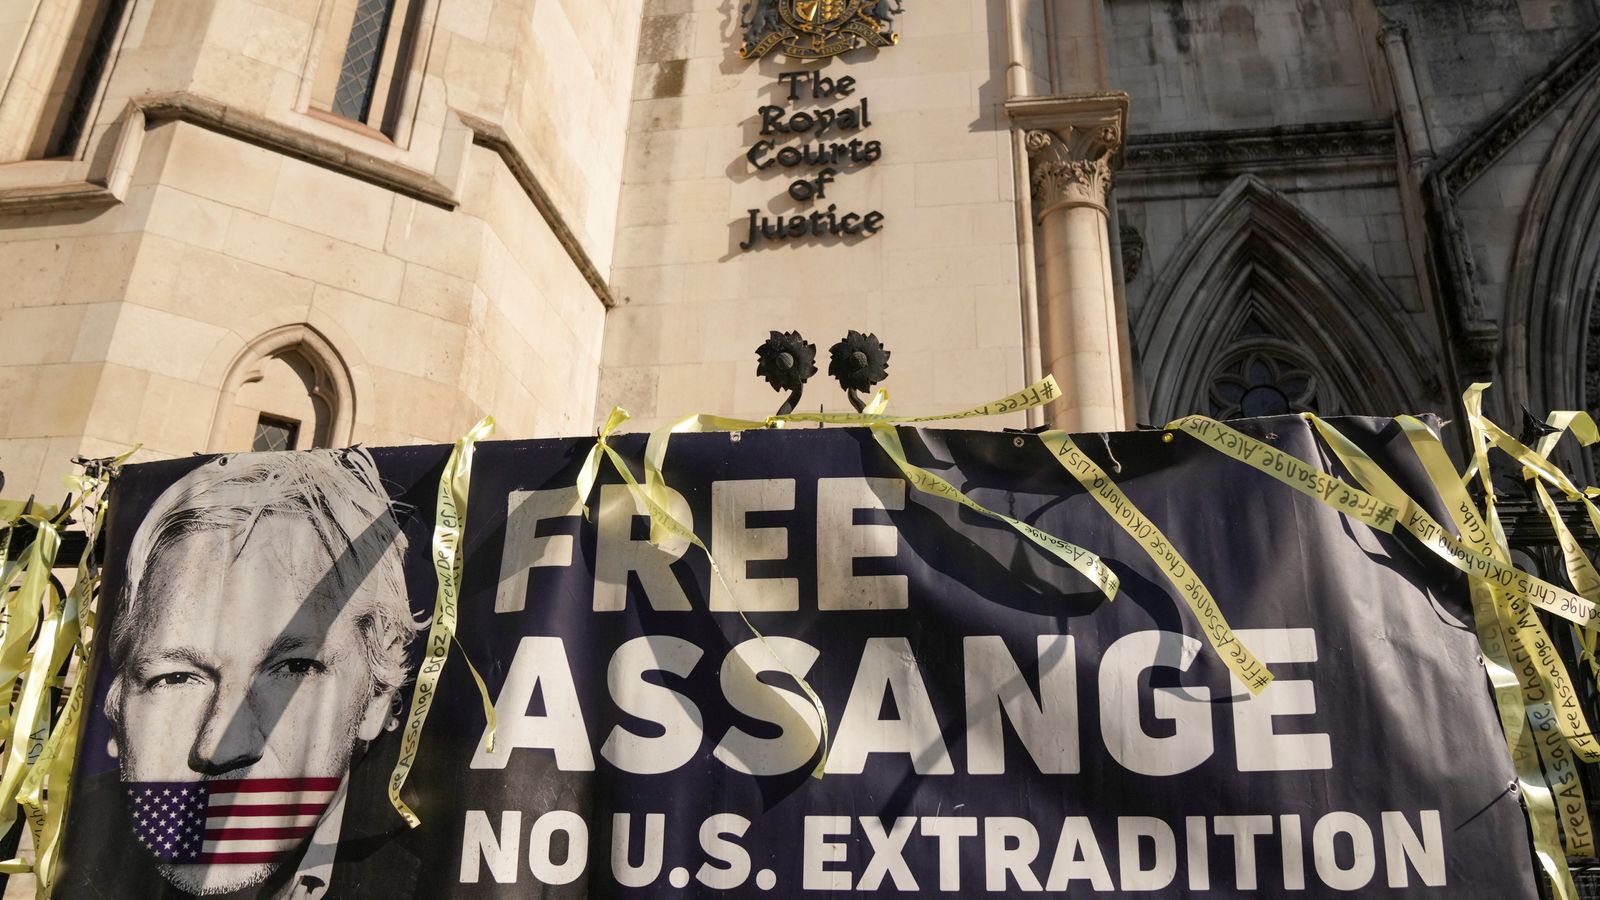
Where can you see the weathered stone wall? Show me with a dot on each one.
(424, 260)
(1477, 63)
(938, 283)
(1285, 91)
(556, 154)
(1475, 56)
(1193, 65)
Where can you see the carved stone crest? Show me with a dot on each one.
(814, 29)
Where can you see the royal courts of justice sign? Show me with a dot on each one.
(994, 725)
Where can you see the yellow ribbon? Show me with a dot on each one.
(1238, 658)
(1303, 477)
(1522, 692)
(1580, 571)
(655, 455)
(32, 623)
(653, 497)
(59, 753)
(1040, 392)
(449, 530)
(1509, 582)
(1525, 630)
(36, 751)
(1499, 593)
(655, 452)
(1082, 561)
(1037, 394)
(1517, 584)
(1538, 468)
(664, 523)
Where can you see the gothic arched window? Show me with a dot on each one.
(288, 390)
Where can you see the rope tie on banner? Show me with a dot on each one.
(1240, 661)
(43, 630)
(450, 523)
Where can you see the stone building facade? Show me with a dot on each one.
(239, 223)
(1383, 198)
(291, 222)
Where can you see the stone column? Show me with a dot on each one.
(1071, 143)
(1407, 98)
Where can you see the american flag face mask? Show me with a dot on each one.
(245, 820)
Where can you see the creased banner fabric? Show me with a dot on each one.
(996, 725)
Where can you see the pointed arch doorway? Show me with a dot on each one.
(1262, 312)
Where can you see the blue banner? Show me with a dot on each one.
(995, 726)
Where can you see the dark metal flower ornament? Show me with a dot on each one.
(859, 362)
(786, 361)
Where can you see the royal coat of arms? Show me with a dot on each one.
(813, 29)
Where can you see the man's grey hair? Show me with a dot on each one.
(336, 493)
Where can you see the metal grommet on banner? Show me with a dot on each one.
(1018, 442)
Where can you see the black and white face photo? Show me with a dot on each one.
(260, 649)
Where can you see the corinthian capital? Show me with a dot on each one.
(1072, 142)
(1071, 168)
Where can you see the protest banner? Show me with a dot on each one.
(995, 725)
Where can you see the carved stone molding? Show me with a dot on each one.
(1508, 127)
(1132, 252)
(1073, 142)
(107, 188)
(1256, 255)
(1478, 336)
(1242, 150)
(1390, 30)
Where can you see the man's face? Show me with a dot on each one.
(248, 665)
